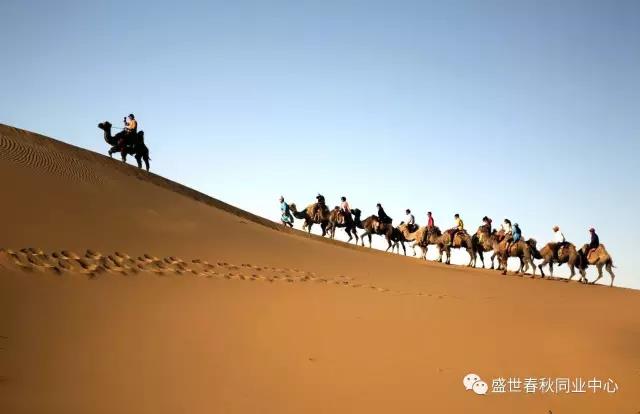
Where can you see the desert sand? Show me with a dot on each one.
(124, 292)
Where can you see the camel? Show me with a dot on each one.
(372, 225)
(443, 241)
(599, 258)
(484, 242)
(335, 220)
(566, 254)
(417, 237)
(526, 251)
(137, 149)
(310, 219)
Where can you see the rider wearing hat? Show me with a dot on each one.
(559, 241)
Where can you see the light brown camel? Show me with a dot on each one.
(599, 258)
(526, 251)
(348, 223)
(552, 253)
(443, 241)
(372, 225)
(483, 242)
(417, 237)
(309, 218)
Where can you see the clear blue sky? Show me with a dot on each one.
(521, 109)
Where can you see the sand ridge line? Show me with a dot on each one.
(93, 263)
(46, 158)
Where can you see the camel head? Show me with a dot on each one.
(104, 125)
(356, 212)
(293, 207)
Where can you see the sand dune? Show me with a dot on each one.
(122, 291)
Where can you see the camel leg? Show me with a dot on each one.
(544, 263)
(390, 245)
(583, 276)
(146, 162)
(493, 256)
(139, 160)
(472, 257)
(369, 240)
(413, 246)
(599, 267)
(504, 261)
(481, 254)
(448, 251)
(551, 268)
(609, 267)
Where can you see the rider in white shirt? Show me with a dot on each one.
(410, 220)
(558, 237)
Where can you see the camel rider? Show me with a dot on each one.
(595, 241)
(286, 217)
(129, 131)
(486, 224)
(459, 226)
(345, 210)
(130, 124)
(410, 221)
(318, 207)
(516, 234)
(506, 229)
(430, 222)
(558, 240)
(382, 216)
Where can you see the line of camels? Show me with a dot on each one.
(483, 241)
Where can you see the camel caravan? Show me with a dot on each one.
(503, 243)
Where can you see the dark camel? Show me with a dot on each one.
(309, 219)
(336, 219)
(126, 144)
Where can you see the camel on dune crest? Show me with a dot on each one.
(126, 144)
(599, 258)
(373, 225)
(526, 251)
(484, 242)
(309, 218)
(336, 219)
(418, 238)
(443, 241)
(552, 253)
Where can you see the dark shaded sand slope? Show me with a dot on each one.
(186, 304)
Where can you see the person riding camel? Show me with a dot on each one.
(506, 231)
(319, 207)
(430, 222)
(286, 217)
(130, 130)
(410, 221)
(486, 225)
(383, 218)
(515, 237)
(594, 243)
(459, 227)
(345, 210)
(559, 241)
